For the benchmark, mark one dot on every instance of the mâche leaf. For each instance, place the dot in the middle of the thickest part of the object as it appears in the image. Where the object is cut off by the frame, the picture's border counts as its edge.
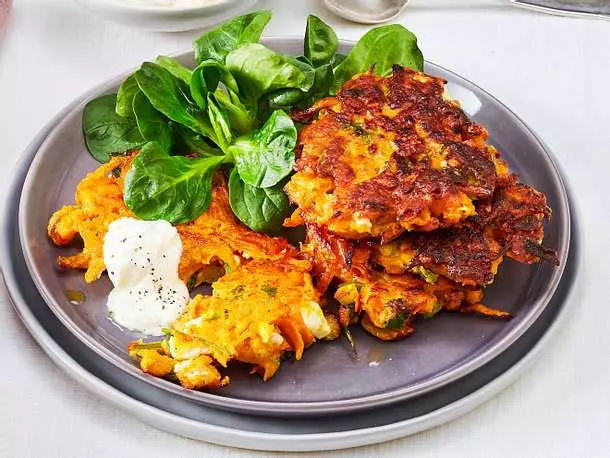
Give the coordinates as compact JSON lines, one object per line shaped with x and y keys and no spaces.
{"x":125,"y":95}
{"x":261,"y":209}
{"x":171,"y":96}
{"x":175,"y":68}
{"x":321,"y":41}
{"x":380,"y":47}
{"x":219,"y":42}
{"x":220,"y":123}
{"x":259,"y":70}
{"x":265,"y":156}
{"x":174,"y":188}
{"x":152,"y":125}
{"x":106,"y":132}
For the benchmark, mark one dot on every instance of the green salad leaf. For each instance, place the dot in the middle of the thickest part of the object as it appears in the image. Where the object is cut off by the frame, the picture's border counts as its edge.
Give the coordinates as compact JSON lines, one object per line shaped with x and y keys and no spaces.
{"x":206,"y":78}
{"x":242,"y":119}
{"x":125,"y":95}
{"x":285,"y":97}
{"x":153,"y":125}
{"x":174,"y":188}
{"x":220,"y":123}
{"x":265,"y":156}
{"x":261,"y":209}
{"x":259,"y":70}
{"x":380,"y":47}
{"x":337,"y":59}
{"x":171,"y":96}
{"x":106,"y":132}
{"x":186,"y":141}
{"x":175,"y":68}
{"x":219,"y":42}
{"x":321,"y":41}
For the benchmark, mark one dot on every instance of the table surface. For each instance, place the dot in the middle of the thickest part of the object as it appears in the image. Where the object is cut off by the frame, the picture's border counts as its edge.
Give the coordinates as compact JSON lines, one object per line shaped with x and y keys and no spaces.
{"x":550,"y":70}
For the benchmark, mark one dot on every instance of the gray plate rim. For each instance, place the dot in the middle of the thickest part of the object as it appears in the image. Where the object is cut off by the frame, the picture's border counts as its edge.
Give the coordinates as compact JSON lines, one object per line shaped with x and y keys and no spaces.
{"x":256,"y":440}
{"x":303,"y":408}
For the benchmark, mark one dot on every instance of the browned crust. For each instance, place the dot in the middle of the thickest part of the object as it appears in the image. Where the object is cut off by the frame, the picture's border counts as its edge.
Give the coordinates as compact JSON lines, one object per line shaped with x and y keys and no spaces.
{"x":440,"y":160}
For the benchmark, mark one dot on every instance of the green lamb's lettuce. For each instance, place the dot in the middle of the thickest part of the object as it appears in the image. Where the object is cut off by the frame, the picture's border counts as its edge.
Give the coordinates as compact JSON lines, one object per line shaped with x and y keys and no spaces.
{"x":261,"y":209}
{"x":152,"y":125}
{"x":175,"y":68}
{"x":220,"y":123}
{"x":321,"y":41}
{"x":206,"y":79}
{"x":230,"y":112}
{"x":265,"y":156}
{"x":242,"y":119}
{"x":380,"y":48}
{"x":171,"y":96}
{"x":174,"y":188}
{"x":259,"y":70}
{"x":107,"y":133}
{"x":185,"y":141}
{"x":125,"y":95}
{"x":231,"y":35}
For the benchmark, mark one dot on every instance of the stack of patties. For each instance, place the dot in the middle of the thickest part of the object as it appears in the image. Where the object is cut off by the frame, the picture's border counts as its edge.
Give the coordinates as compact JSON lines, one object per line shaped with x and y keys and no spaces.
{"x":408,"y":210}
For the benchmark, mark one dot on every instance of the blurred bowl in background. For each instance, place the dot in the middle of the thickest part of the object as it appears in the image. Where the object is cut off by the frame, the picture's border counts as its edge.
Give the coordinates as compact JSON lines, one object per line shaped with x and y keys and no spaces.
{"x":5,"y":8}
{"x":166,"y":15}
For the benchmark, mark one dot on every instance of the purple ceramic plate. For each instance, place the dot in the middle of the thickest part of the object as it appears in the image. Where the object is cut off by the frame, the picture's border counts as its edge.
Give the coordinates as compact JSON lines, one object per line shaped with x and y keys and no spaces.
{"x":179,"y":415}
{"x":328,"y":379}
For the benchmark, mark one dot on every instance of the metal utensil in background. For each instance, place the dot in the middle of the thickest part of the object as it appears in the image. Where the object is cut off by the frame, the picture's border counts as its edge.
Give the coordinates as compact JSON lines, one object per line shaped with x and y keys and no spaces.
{"x":367,"y":11}
{"x":377,"y":11}
{"x":596,"y":9}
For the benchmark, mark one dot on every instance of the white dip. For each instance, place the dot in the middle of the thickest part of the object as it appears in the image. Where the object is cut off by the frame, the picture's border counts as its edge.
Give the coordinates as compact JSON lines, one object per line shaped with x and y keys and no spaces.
{"x":142,"y":259}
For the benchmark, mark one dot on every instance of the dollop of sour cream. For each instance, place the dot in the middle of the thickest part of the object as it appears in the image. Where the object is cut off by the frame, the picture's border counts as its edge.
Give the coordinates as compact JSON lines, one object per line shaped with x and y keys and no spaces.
{"x":142,"y":258}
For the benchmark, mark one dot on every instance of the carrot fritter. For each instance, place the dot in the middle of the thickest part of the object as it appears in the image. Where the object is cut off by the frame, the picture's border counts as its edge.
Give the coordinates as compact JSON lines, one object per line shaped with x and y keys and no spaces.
{"x":256,"y":313}
{"x":507,"y":224}
{"x":98,"y":202}
{"x":388,"y":155}
{"x":218,"y":238}
{"x":387,"y":303}
{"x":212,"y":242}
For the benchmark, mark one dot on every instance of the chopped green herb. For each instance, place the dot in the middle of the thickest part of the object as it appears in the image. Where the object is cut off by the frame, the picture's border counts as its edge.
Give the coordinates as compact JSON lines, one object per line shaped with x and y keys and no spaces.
{"x":396,"y":322}
{"x":270,"y":290}
{"x":238,"y":290}
{"x":426,"y":274}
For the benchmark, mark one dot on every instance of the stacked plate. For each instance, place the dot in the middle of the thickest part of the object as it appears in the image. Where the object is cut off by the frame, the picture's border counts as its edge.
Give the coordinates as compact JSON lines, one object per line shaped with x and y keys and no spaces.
{"x":333,"y":398}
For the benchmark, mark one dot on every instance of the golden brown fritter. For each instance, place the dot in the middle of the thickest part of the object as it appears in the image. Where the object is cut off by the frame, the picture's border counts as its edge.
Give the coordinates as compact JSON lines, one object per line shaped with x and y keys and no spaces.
{"x":254,"y":315}
{"x":513,"y":217}
{"x":387,"y":303}
{"x":508,"y":224}
{"x":218,"y":238}
{"x":390,"y":154}
{"x":98,"y":202}
{"x":213,"y":241}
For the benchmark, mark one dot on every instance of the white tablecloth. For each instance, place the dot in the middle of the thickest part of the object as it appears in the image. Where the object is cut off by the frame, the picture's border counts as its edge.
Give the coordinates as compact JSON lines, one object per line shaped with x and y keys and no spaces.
{"x":549,"y":70}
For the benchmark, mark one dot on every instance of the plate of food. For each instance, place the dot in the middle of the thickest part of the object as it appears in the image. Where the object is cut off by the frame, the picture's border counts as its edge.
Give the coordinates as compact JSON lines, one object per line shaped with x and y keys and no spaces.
{"x":295,"y":208}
